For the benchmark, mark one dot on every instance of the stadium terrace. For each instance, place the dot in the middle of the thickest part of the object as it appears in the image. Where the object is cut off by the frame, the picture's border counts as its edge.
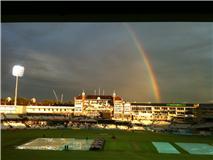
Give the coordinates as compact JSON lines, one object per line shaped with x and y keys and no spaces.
{"x":114,"y":107}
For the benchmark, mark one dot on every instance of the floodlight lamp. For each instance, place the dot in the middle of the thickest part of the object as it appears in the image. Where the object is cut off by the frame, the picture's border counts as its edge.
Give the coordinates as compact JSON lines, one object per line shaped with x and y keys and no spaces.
{"x":18,"y":71}
{"x":9,"y":99}
{"x":33,"y":100}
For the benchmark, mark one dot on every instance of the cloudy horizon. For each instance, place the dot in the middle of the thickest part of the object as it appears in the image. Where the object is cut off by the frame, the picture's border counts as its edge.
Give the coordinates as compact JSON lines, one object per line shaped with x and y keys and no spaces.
{"x":71,"y":57}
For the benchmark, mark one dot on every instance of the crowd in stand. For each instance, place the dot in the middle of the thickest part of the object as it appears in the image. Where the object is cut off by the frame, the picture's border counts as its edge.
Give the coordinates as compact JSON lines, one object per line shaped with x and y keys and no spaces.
{"x":62,"y":122}
{"x":12,"y":124}
{"x":30,"y":124}
{"x":12,"y":121}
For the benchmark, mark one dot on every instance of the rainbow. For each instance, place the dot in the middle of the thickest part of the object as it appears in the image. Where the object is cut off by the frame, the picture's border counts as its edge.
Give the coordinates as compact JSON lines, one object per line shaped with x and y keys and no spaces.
{"x":146,"y":60}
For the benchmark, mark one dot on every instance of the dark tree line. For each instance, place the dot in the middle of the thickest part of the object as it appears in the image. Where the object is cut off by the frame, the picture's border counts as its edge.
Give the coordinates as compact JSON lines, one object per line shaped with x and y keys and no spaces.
{"x":26,"y":101}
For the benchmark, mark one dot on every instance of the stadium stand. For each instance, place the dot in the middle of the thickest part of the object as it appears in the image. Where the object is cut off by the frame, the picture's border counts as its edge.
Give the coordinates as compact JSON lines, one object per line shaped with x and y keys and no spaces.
{"x":12,"y":117}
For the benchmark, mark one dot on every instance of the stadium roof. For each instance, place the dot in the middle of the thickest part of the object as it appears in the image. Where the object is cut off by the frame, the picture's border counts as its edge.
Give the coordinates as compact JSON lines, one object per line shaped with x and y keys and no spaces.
{"x":101,"y":97}
{"x":95,"y":97}
{"x":164,"y":104}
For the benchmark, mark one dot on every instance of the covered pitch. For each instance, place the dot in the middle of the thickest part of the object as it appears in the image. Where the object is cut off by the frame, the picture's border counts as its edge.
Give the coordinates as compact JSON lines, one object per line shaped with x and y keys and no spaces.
{"x":197,"y":148}
{"x":165,"y":147}
{"x":57,"y":144}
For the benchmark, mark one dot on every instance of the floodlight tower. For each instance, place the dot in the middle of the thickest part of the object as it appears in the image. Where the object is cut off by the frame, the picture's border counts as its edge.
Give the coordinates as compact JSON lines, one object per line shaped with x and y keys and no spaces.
{"x":18,"y":71}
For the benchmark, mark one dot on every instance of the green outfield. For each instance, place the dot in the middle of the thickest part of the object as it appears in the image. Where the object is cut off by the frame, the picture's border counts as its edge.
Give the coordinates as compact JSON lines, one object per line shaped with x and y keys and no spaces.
{"x":126,"y":145}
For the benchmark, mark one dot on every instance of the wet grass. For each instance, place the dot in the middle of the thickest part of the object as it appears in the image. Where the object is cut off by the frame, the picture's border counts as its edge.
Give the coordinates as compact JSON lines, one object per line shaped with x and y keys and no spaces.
{"x":126,"y":145}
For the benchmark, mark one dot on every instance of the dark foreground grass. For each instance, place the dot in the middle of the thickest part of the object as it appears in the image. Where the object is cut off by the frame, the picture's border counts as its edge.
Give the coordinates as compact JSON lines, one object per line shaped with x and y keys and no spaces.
{"x":126,"y":146}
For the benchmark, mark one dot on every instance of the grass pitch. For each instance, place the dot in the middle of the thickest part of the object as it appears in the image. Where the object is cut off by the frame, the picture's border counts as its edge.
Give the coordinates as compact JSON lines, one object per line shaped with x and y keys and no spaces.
{"x":125,"y":146}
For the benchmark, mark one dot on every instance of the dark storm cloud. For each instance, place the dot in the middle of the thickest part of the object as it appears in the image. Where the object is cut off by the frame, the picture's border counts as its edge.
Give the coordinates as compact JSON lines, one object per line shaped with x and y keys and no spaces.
{"x":70,"y":57}
{"x":181,"y":54}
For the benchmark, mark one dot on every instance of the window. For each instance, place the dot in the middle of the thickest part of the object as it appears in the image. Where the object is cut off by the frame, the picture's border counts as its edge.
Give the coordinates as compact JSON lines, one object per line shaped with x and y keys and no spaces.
{"x":180,"y":108}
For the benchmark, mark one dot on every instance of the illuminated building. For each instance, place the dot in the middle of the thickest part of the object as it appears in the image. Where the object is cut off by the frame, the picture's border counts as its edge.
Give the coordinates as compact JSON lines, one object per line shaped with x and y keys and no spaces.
{"x":98,"y":105}
{"x":163,"y":111}
{"x":114,"y":107}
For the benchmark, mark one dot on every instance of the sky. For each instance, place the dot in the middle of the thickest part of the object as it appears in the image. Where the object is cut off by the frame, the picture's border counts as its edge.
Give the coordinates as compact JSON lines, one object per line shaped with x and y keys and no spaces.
{"x":130,"y":58}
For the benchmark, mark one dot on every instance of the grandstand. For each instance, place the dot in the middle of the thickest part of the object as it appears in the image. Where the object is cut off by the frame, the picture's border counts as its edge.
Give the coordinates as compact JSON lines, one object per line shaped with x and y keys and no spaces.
{"x":111,"y":112}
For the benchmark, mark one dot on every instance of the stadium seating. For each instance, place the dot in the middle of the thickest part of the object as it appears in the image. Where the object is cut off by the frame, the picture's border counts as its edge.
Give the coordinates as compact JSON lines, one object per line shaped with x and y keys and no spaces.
{"x":12,"y":116}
